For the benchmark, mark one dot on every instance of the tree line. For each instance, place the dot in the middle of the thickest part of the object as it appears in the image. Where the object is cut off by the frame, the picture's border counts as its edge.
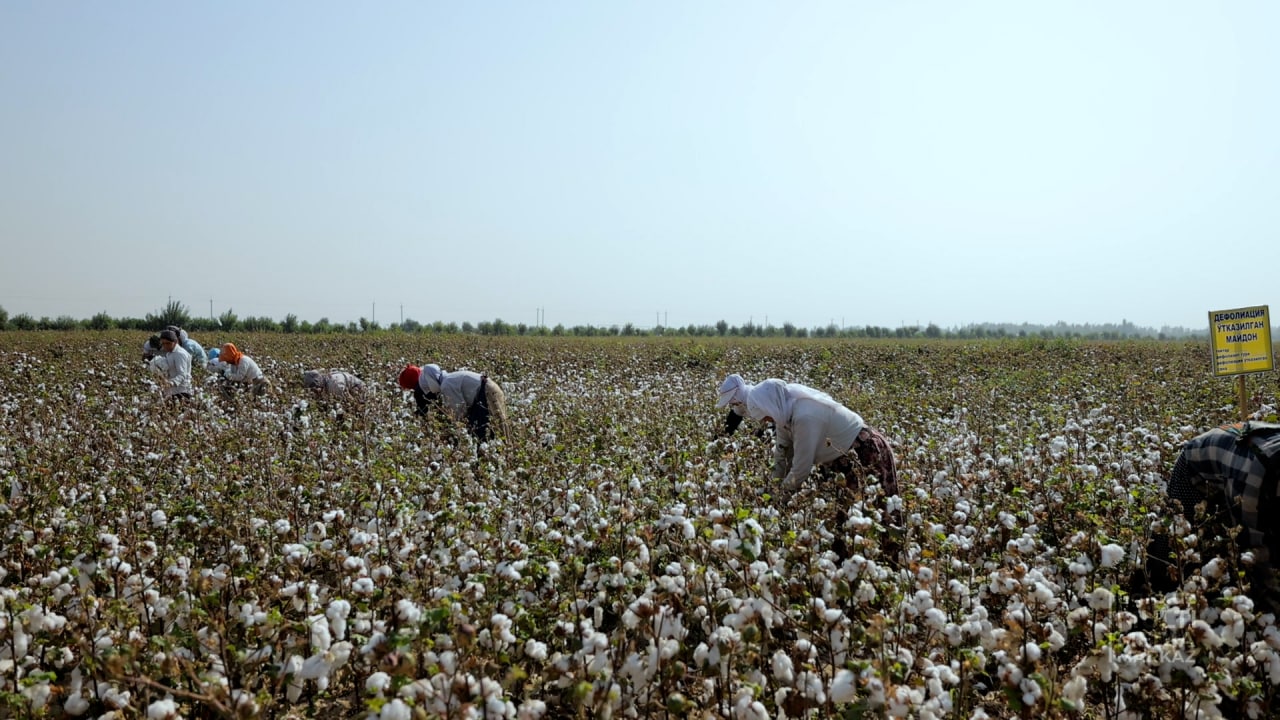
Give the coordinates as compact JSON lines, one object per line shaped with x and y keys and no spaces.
{"x":175,"y":313}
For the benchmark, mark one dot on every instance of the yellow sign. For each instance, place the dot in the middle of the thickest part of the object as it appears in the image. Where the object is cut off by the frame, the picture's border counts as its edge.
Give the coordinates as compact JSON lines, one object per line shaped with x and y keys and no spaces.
{"x":1241,"y":340}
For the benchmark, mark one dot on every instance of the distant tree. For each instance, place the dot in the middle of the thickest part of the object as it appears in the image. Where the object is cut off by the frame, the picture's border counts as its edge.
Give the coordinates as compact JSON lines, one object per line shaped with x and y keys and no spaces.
{"x":228,"y":320}
{"x":260,"y":324}
{"x":290,"y":324}
{"x":23,"y":321}
{"x":173,"y":313}
{"x":722,"y":327}
{"x":467,"y":327}
{"x":322,"y":326}
{"x":101,"y":321}
{"x":62,"y":322}
{"x":202,"y":324}
{"x":933,"y":331}
{"x":4,"y":319}
{"x":411,"y":326}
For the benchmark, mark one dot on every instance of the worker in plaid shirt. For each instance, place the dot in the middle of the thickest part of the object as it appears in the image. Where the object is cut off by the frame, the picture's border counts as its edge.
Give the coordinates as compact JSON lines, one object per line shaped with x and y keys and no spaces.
{"x":1233,"y":470}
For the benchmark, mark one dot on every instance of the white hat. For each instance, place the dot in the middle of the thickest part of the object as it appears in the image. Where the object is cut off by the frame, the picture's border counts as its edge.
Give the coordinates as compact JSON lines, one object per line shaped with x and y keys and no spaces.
{"x":733,"y":389}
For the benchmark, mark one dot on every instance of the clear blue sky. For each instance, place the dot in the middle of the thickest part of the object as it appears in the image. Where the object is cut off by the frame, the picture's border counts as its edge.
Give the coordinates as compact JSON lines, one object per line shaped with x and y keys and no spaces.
{"x":868,"y":162}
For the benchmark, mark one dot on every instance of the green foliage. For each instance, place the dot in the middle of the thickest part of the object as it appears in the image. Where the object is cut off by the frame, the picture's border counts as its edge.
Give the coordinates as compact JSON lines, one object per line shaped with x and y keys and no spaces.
{"x":259,"y":324}
{"x":101,"y":321}
{"x":173,"y":313}
{"x":228,"y":321}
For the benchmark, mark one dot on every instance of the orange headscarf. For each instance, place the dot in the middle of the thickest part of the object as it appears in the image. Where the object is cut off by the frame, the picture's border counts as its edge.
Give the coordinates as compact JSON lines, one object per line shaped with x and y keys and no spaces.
{"x":230,"y":354}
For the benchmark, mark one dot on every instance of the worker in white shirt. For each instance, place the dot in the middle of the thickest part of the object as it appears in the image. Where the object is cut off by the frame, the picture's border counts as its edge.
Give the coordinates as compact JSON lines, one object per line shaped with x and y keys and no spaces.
{"x":173,"y":363}
{"x":242,"y":369}
{"x":811,"y":428}
{"x":468,"y":396}
{"x":332,"y":384}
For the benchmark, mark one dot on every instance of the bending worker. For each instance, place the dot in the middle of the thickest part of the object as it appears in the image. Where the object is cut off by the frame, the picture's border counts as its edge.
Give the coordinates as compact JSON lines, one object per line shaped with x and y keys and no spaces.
{"x":469,"y":397}
{"x":810,"y":428}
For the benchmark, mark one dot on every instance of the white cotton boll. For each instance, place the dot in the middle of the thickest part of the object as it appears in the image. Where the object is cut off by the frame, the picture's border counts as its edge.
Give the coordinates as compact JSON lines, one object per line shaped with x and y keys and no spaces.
{"x":159,"y":519}
{"x":291,"y":669}
{"x":281,"y":527}
{"x":408,"y":611}
{"x":396,"y":710}
{"x":844,"y":687}
{"x":163,"y":709}
{"x":531,"y":710}
{"x":1101,"y":598}
{"x":783,"y":671}
{"x":377,"y":683}
{"x":1205,"y":635}
{"x":320,"y":636}
{"x":1031,"y":651}
{"x":337,"y":613}
{"x":1214,"y":569}
{"x":1112,"y":554}
{"x":535,"y":650}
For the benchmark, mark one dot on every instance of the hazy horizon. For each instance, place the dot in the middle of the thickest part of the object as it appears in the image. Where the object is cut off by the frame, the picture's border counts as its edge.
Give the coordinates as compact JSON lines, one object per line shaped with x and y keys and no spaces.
{"x":579,"y":163}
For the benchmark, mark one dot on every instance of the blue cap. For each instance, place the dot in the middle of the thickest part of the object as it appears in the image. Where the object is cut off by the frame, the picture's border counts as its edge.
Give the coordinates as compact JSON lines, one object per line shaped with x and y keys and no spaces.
{"x":214,"y":353}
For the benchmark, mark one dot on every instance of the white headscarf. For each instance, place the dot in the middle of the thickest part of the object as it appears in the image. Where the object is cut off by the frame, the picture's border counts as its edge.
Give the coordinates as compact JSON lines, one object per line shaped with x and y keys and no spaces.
{"x":774,"y":399}
{"x":432,"y":376}
{"x":733,"y":390}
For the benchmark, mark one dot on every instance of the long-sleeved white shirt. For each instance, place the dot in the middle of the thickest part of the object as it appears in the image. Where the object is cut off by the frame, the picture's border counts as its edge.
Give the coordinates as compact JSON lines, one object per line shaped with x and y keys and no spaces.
{"x":817,"y":432}
{"x":244,"y":371}
{"x":458,"y":390}
{"x":175,"y":366}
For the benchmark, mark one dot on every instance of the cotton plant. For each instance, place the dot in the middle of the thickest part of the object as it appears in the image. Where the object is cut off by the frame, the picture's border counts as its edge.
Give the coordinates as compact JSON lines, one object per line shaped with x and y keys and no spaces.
{"x":611,"y":558}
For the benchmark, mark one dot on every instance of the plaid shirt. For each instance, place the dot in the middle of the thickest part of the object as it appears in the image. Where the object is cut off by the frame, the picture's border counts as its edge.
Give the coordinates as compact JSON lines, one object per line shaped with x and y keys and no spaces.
{"x":1220,"y":462}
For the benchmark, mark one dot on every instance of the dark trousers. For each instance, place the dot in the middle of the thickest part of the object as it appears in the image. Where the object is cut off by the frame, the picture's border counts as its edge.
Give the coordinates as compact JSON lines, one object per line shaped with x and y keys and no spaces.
{"x":478,"y":412}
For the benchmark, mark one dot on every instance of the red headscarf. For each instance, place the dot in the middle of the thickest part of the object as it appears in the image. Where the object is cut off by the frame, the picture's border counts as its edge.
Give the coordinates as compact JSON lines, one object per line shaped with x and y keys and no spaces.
{"x":230,"y":354}
{"x":409,"y":377}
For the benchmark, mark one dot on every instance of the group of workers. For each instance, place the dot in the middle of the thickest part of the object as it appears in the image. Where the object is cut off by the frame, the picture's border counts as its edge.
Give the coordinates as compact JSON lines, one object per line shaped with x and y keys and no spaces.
{"x":1222,"y":479}
{"x":172,"y":354}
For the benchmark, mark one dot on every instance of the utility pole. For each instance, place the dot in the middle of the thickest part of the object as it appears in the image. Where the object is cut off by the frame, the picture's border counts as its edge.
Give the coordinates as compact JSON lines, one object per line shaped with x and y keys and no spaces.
{"x":402,"y":314}
{"x":211,"y":309}
{"x":374,"y":320}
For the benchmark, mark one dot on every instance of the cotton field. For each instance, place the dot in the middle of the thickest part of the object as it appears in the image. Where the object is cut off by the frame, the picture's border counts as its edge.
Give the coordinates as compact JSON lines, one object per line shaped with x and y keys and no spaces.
{"x":283,"y":556}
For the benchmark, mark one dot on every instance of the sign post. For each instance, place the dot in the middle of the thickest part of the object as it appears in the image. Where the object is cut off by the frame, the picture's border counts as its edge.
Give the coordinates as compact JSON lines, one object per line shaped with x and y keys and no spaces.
{"x":1241,"y":343}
